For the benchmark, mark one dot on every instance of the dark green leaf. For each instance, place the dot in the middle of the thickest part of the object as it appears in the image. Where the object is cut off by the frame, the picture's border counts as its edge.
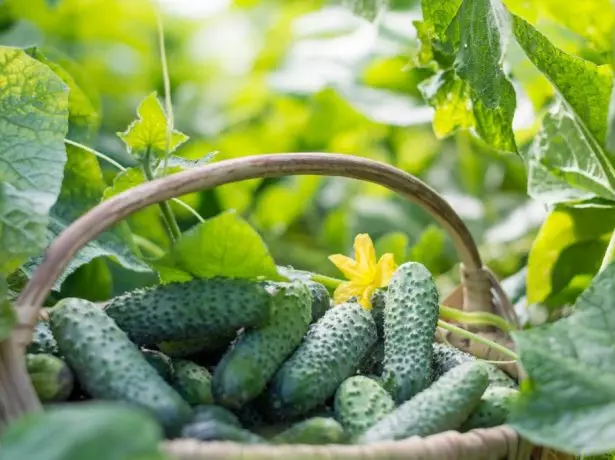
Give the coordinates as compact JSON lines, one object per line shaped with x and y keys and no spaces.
{"x":96,"y":431}
{"x":568,"y":400}
{"x":585,"y":86}
{"x":395,"y":243}
{"x":8,"y":319}
{"x":34,"y":121}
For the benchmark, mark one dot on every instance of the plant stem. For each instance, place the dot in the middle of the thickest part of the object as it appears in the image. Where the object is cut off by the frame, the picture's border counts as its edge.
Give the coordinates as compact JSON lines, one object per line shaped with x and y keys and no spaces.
{"x":166,"y":80}
{"x":609,"y":254}
{"x":476,"y":318}
{"x":149,"y":246}
{"x":478,"y":338}
{"x":327,"y":281}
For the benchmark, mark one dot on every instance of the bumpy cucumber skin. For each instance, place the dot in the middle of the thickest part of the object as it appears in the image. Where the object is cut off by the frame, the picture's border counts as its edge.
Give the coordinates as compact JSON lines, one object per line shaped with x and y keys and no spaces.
{"x":330,"y":352}
{"x":213,"y":430}
{"x":109,"y":366}
{"x":360,"y":402}
{"x":446,"y":358}
{"x":410,"y":320}
{"x":372,"y":362}
{"x":43,"y":340}
{"x":321,"y":301}
{"x":193,"y":382}
{"x":218,"y":413}
{"x":161,"y":362}
{"x":492,"y":410}
{"x":316,"y":430}
{"x":378,"y":299}
{"x":195,"y":309}
{"x":190,"y":347}
{"x":256,"y":355}
{"x":51,"y":377}
{"x":443,"y":406}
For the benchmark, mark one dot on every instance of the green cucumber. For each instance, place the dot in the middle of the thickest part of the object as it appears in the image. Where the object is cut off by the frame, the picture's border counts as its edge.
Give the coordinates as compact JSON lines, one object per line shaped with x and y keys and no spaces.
{"x":109,"y":366}
{"x":492,"y":410}
{"x":213,"y":430}
{"x":316,"y":430}
{"x":321,"y":301}
{"x":217,"y":413}
{"x":256,"y":355}
{"x":360,"y":402}
{"x":410,"y":320}
{"x":195,"y":309}
{"x":372,"y":362}
{"x":443,"y":406}
{"x":193,"y":382}
{"x":43,"y":340}
{"x":190,"y":347}
{"x":379,"y":298}
{"x":161,"y":362}
{"x":446,"y":357}
{"x":51,"y":377}
{"x":330,"y":353}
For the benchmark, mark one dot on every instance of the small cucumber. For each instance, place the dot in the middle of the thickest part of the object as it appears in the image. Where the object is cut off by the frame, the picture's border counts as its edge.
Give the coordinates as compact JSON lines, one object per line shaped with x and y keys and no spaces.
{"x":109,"y":366}
{"x":256,"y":355}
{"x":410,"y":320}
{"x":445,"y":358}
{"x":443,"y":406}
{"x":379,"y":298}
{"x":51,"y":377}
{"x":195,"y":309}
{"x":321,"y":300}
{"x":492,"y":410}
{"x":43,"y":340}
{"x":316,"y":430}
{"x":217,"y":413}
{"x":330,"y":352}
{"x":372,"y":362}
{"x":193,"y":382}
{"x":213,"y":430}
{"x":360,"y":402}
{"x":190,"y":347}
{"x":161,"y":362}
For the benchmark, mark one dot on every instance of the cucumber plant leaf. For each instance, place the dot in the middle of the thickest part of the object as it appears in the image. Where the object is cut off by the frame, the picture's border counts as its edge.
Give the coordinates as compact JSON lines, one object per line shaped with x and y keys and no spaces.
{"x":96,"y":431}
{"x":149,"y":132}
{"x":8,"y":318}
{"x":225,"y":245}
{"x":568,"y":399}
{"x":34,"y":104}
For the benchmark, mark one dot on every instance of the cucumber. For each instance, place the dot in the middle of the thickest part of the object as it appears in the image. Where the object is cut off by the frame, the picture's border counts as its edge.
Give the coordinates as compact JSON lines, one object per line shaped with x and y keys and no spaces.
{"x":256,"y":355}
{"x":43,"y":340}
{"x":492,"y":410}
{"x":410,"y":320}
{"x":379,"y":298}
{"x":217,"y":413}
{"x":251,"y":415}
{"x":443,"y":406}
{"x":213,"y":430}
{"x":195,"y":309}
{"x":161,"y":362}
{"x":360,"y":402}
{"x":193,"y":382}
{"x":51,"y":377}
{"x":190,"y":347}
{"x":372,"y":362}
{"x":331,"y":352}
{"x":109,"y":366}
{"x":316,"y":430}
{"x":321,"y":301}
{"x":446,"y":357}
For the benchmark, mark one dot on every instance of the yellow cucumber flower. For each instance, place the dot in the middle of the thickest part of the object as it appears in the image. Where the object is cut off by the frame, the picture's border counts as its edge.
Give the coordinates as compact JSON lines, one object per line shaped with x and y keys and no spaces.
{"x":364,"y":273}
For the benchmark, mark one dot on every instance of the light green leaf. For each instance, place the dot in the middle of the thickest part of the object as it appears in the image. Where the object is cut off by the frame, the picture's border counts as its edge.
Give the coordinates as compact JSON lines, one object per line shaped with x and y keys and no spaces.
{"x":96,"y":431}
{"x":430,"y":250}
{"x":149,"y":132}
{"x":585,"y":86}
{"x":82,"y":189}
{"x":433,"y":31}
{"x":568,"y":399}
{"x":225,"y":245}
{"x":565,"y":164}
{"x":395,"y":243}
{"x":484,"y":30}
{"x":567,"y":253}
{"x":34,"y":121}
{"x":184,"y":163}
{"x":8,"y":318}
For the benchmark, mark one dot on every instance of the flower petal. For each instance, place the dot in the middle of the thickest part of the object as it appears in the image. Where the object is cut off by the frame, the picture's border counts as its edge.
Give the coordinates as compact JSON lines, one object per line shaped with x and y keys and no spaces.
{"x":366,"y":297}
{"x":347,"y":266}
{"x":365,"y":254}
{"x":385,"y":269}
{"x":347,"y":290}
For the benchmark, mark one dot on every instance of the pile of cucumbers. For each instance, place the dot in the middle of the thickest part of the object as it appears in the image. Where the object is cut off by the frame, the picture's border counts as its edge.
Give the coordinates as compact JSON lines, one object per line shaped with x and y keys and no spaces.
{"x":261,"y":362}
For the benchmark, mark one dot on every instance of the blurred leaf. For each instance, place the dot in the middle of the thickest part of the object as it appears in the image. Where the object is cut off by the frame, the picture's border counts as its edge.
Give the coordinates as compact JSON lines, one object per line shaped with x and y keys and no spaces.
{"x":82,"y":189}
{"x":98,"y":431}
{"x":416,"y":149}
{"x":395,"y":243}
{"x":430,"y":250}
{"x":8,"y":318}
{"x":92,"y":281}
{"x":34,"y":122}
{"x":395,"y":74}
{"x":149,"y":132}
{"x":225,"y":245}
{"x":368,"y":9}
{"x":566,"y":164}
{"x":184,"y":163}
{"x":335,"y":232}
{"x":585,"y":86}
{"x":567,"y":252}
{"x":484,"y":29}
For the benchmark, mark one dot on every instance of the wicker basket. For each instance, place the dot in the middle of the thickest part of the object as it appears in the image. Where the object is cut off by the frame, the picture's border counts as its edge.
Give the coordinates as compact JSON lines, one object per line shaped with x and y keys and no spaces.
{"x":479,"y":291}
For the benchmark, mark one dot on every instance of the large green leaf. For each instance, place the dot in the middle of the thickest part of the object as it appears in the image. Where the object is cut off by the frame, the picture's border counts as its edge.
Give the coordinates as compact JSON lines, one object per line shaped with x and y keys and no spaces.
{"x":567,"y":252}
{"x":583,"y":84}
{"x":96,"y":431}
{"x":34,"y":121}
{"x":225,"y":245}
{"x":568,"y":399}
{"x":8,"y":318}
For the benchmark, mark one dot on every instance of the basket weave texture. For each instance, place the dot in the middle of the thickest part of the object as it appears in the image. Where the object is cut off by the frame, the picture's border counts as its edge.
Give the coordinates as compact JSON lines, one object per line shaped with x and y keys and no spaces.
{"x":479,"y":291}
